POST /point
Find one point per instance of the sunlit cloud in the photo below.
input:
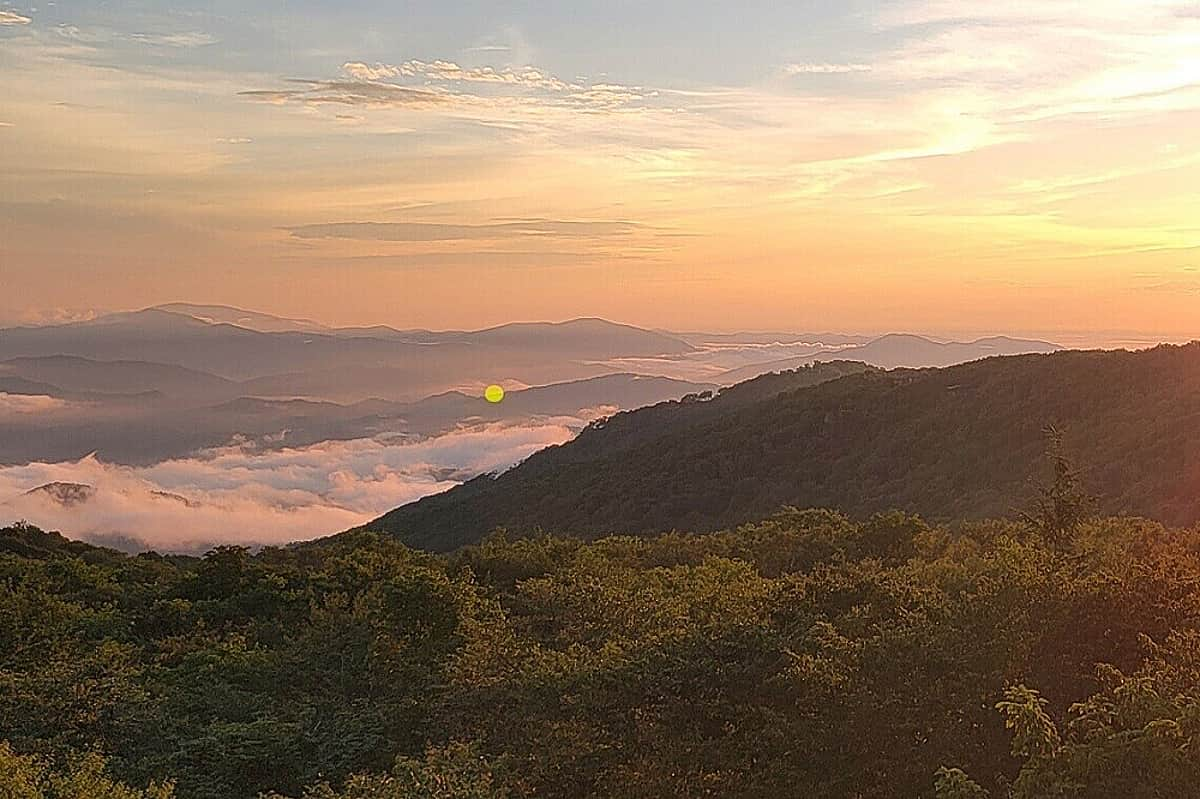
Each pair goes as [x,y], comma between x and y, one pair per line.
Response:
[368,94]
[245,495]
[836,167]
[429,231]
[13,18]
[450,72]
[489,95]
[825,69]
[28,404]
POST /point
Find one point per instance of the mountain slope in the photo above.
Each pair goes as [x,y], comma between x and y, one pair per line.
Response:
[902,350]
[962,441]
[76,374]
[343,365]
[588,337]
[251,320]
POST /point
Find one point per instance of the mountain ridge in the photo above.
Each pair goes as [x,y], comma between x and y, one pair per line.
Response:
[904,350]
[962,442]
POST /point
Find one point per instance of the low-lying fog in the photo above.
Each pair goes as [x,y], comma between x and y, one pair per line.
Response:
[244,495]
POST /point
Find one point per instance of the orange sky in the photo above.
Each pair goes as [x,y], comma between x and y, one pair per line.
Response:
[926,165]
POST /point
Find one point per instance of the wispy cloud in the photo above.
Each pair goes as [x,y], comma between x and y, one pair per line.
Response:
[185,39]
[483,90]
[825,69]
[433,231]
[176,39]
[450,72]
[13,18]
[370,94]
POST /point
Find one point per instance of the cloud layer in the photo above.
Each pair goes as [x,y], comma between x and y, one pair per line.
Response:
[245,496]
[25,404]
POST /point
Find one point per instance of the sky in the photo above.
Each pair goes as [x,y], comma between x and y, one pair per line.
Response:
[859,166]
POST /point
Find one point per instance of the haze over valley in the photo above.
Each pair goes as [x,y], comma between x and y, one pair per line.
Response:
[191,425]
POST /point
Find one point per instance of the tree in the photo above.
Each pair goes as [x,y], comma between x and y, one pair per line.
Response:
[953,783]
[27,777]
[1061,505]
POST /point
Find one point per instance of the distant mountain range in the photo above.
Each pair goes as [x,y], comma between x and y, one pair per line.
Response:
[152,427]
[166,381]
[899,351]
[69,375]
[956,442]
[339,365]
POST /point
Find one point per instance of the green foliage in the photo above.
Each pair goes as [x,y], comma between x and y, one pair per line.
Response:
[1060,506]
[24,777]
[803,655]
[453,772]
[1135,738]
[953,783]
[1034,734]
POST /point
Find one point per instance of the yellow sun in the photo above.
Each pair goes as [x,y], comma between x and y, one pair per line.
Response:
[493,393]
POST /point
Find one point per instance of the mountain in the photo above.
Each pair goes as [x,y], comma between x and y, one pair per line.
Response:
[29,542]
[822,340]
[580,338]
[308,422]
[144,429]
[607,392]
[344,366]
[73,374]
[151,335]
[251,320]
[68,495]
[962,441]
[11,384]
[900,350]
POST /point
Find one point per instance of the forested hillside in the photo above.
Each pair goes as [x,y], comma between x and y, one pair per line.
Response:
[803,656]
[959,442]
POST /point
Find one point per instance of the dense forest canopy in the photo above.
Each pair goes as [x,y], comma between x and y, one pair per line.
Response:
[805,655]
[955,443]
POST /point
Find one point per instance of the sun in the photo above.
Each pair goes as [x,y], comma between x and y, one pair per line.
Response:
[493,393]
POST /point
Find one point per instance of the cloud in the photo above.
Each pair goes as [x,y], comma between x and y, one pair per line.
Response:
[434,231]
[243,495]
[1185,280]
[476,92]
[187,39]
[27,404]
[53,316]
[825,69]
[13,18]
[179,39]
[350,93]
[450,72]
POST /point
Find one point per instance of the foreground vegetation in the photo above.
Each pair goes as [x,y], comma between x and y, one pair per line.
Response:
[806,655]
